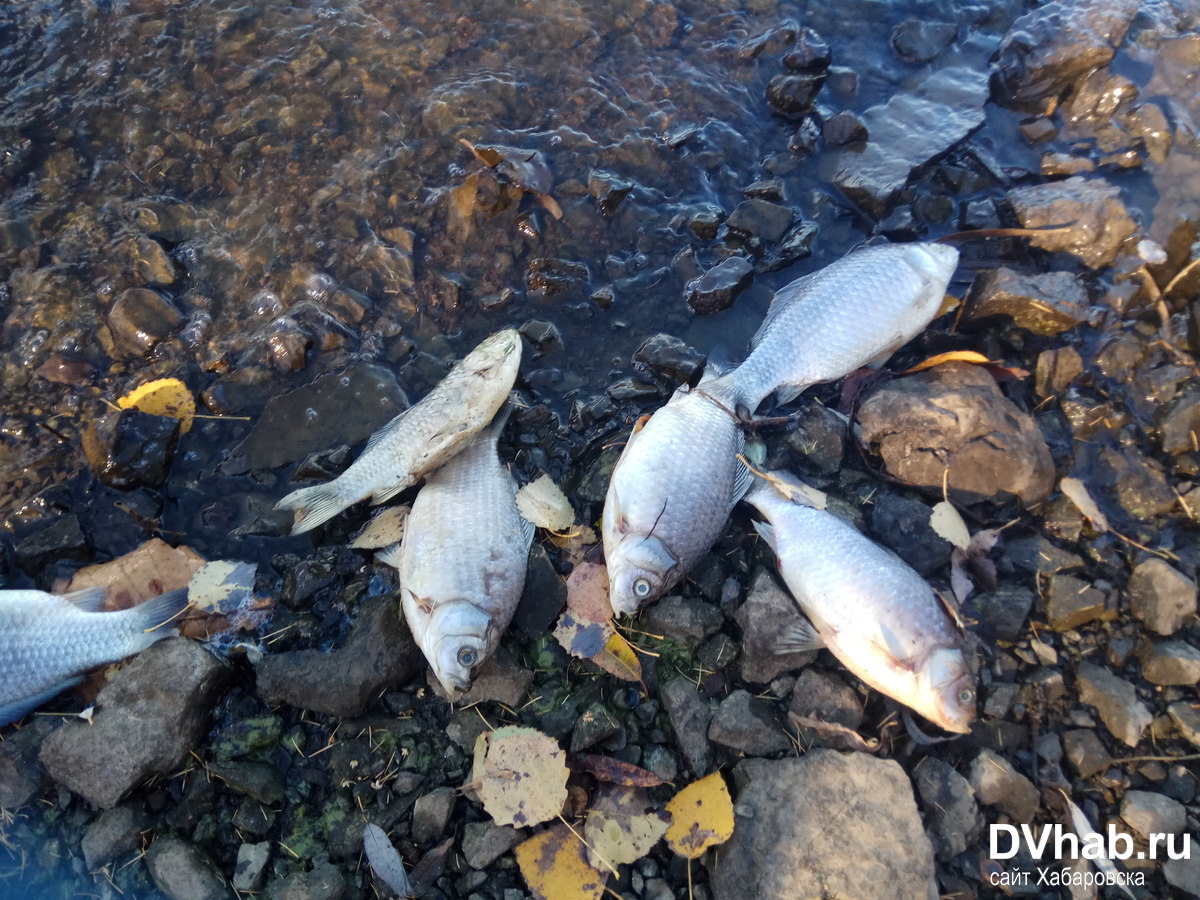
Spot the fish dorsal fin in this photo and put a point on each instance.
(386, 431)
(87, 599)
(799, 637)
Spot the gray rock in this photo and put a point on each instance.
(951, 425)
(250, 872)
(902, 523)
(1183, 874)
(668, 356)
(690, 715)
(140, 318)
(1115, 700)
(115, 832)
(543, 336)
(1187, 719)
(324, 882)
(950, 806)
(1099, 221)
(997, 783)
(21, 776)
(1149, 813)
(596, 724)
(762, 219)
(717, 288)
(1180, 422)
(908, 131)
(378, 653)
(1044, 303)
(501, 679)
(1037, 554)
(1161, 597)
(809, 828)
(431, 814)
(749, 725)
(1170, 662)
(1001, 612)
(819, 441)
(686, 621)
(1137, 483)
(921, 40)
(826, 698)
(484, 842)
(660, 761)
(183, 872)
(1056, 369)
(258, 780)
(147, 718)
(1085, 751)
(765, 616)
(1071, 602)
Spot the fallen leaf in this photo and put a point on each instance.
(949, 302)
(621, 826)
(1077, 493)
(385, 529)
(587, 592)
(948, 523)
(525, 168)
(599, 643)
(969, 356)
(520, 775)
(618, 658)
(150, 569)
(542, 503)
(222, 587)
(555, 868)
(576, 544)
(385, 859)
(612, 771)
(701, 817)
(168, 397)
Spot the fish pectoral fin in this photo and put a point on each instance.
(88, 599)
(10, 712)
(893, 650)
(799, 637)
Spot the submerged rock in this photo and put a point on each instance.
(140, 318)
(952, 426)
(811, 828)
(668, 356)
(1089, 218)
(717, 288)
(762, 219)
(1045, 304)
(129, 448)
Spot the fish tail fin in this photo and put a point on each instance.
(157, 619)
(313, 505)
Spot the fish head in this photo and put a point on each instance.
(497, 356)
(458, 638)
(950, 690)
(640, 569)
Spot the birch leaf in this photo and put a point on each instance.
(521, 775)
(621, 826)
(542, 503)
(168, 397)
(949, 524)
(701, 817)
(555, 868)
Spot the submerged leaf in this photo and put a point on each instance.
(555, 868)
(542, 503)
(385, 859)
(701, 817)
(520, 774)
(621, 826)
(168, 397)
(150, 569)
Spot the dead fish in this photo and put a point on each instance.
(422, 437)
(671, 493)
(462, 561)
(874, 613)
(854, 312)
(48, 640)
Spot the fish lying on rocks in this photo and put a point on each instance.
(462, 561)
(875, 614)
(48, 640)
(422, 437)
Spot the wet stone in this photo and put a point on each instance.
(762, 219)
(61, 539)
(920, 40)
(250, 871)
(1179, 431)
(668, 356)
(997, 783)
(1045, 304)
(902, 523)
(1115, 700)
(1099, 222)
(767, 613)
(806, 138)
(810, 827)
(689, 715)
(819, 439)
(950, 806)
(1056, 369)
(324, 882)
(749, 725)
(484, 842)
(1137, 482)
(705, 223)
(686, 621)
(843, 128)
(129, 448)
(542, 335)
(717, 288)
(116, 832)
(183, 872)
(1170, 663)
(1001, 612)
(20, 774)
(1161, 597)
(1086, 752)
(951, 425)
(808, 52)
(140, 318)
(1149, 813)
(607, 190)
(792, 93)
(1070, 602)
(631, 389)
(431, 814)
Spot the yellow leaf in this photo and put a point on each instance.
(701, 817)
(949, 302)
(949, 525)
(600, 643)
(545, 505)
(555, 868)
(618, 658)
(969, 356)
(165, 397)
(621, 827)
(521, 775)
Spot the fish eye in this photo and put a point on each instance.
(467, 657)
(642, 588)
(966, 695)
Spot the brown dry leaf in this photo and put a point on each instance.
(385, 529)
(612, 771)
(462, 207)
(701, 817)
(621, 826)
(168, 397)
(1077, 493)
(555, 868)
(545, 505)
(525, 168)
(151, 569)
(969, 356)
(587, 592)
(949, 525)
(520, 775)
(600, 643)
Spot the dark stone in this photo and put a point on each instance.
(378, 653)
(140, 318)
(1161, 597)
(61, 539)
(1115, 700)
(1001, 612)
(62, 367)
(806, 138)
(1096, 221)
(1035, 553)
(1042, 303)
(902, 523)
(147, 718)
(765, 616)
(21, 776)
(717, 288)
(547, 277)
(808, 53)
(843, 128)
(762, 219)
(819, 439)
(950, 806)
(796, 244)
(258, 780)
(542, 335)
(1056, 370)
(920, 40)
(596, 724)
(1186, 717)
(826, 698)
(1070, 602)
(997, 783)
(705, 223)
(748, 725)
(1137, 482)
(500, 678)
(115, 832)
(908, 131)
(543, 598)
(1085, 751)
(1179, 430)
(792, 93)
(484, 842)
(1170, 663)
(183, 872)
(765, 189)
(324, 882)
(690, 716)
(686, 621)
(668, 356)
(951, 426)
(129, 448)
(607, 190)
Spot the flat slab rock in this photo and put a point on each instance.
(952, 422)
(1098, 221)
(825, 825)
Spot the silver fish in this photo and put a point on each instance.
(462, 561)
(48, 640)
(854, 312)
(422, 437)
(671, 493)
(874, 613)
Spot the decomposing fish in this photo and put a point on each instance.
(422, 437)
(48, 640)
(671, 493)
(854, 312)
(462, 561)
(874, 613)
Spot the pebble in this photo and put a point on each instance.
(950, 806)
(748, 725)
(809, 51)
(1138, 483)
(431, 815)
(767, 613)
(250, 871)
(997, 783)
(1071, 602)
(668, 356)
(260, 781)
(1187, 719)
(21, 777)
(1001, 612)
(115, 832)
(1161, 597)
(1086, 752)
(717, 288)
(1046, 303)
(62, 539)
(690, 716)
(902, 523)
(1183, 874)
(485, 842)
(760, 218)
(594, 725)
(607, 190)
(183, 872)
(502, 679)
(684, 620)
(141, 318)
(844, 128)
(1150, 813)
(1100, 224)
(825, 697)
(1056, 369)
(819, 439)
(792, 93)
(1170, 663)
(324, 882)
(1115, 700)
(543, 598)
